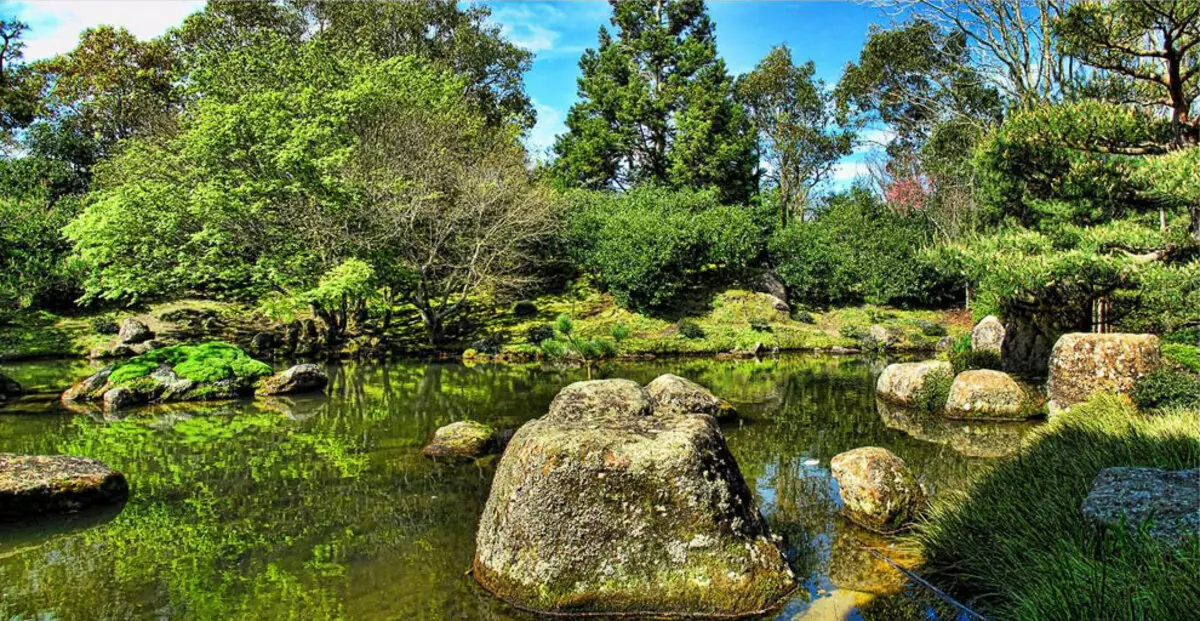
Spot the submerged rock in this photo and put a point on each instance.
(985, 394)
(673, 392)
(910, 383)
(463, 440)
(31, 485)
(988, 335)
(133, 331)
(878, 491)
(203, 372)
(299, 378)
(1170, 500)
(1082, 364)
(609, 505)
(9, 388)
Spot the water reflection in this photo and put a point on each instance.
(321, 507)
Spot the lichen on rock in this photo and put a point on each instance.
(1082, 364)
(910, 383)
(984, 394)
(877, 489)
(298, 378)
(683, 395)
(32, 485)
(462, 441)
(988, 335)
(1166, 503)
(607, 504)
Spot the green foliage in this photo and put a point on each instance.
(201, 362)
(619, 332)
(538, 333)
(650, 246)
(857, 250)
(656, 106)
(567, 344)
(852, 331)
(804, 316)
(1167, 387)
(1040, 560)
(1185, 355)
(931, 396)
(929, 328)
(970, 360)
(690, 329)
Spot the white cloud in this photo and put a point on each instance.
(846, 172)
(550, 123)
(54, 25)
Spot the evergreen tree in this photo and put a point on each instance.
(656, 106)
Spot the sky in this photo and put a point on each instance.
(828, 33)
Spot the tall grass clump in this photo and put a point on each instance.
(1016, 546)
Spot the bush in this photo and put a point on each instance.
(690, 329)
(1167, 387)
(619, 332)
(538, 333)
(650, 246)
(857, 250)
(1038, 559)
(970, 360)
(804, 316)
(524, 308)
(104, 325)
(758, 324)
(931, 397)
(553, 348)
(1186, 356)
(929, 328)
(852, 331)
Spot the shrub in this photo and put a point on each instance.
(970, 360)
(1167, 387)
(690, 329)
(758, 324)
(553, 348)
(852, 331)
(929, 328)
(619, 332)
(203, 362)
(1186, 356)
(489, 344)
(804, 316)
(524, 308)
(931, 397)
(538, 333)
(104, 325)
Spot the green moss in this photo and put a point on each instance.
(201, 362)
(1186, 356)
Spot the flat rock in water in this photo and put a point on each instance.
(671, 391)
(1082, 364)
(606, 505)
(463, 440)
(32, 485)
(1170, 499)
(299, 378)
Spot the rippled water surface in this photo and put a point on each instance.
(322, 506)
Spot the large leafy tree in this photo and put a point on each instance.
(799, 137)
(1152, 46)
(656, 106)
(19, 86)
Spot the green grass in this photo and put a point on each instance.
(1015, 546)
(203, 362)
(1186, 356)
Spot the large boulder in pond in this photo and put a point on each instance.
(911, 384)
(9, 388)
(988, 335)
(32, 485)
(1129, 497)
(299, 378)
(877, 489)
(609, 505)
(1082, 364)
(133, 331)
(984, 394)
(194, 372)
(462, 441)
(673, 392)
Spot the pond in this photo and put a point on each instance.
(322, 507)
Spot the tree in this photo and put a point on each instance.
(19, 86)
(656, 106)
(798, 135)
(1153, 45)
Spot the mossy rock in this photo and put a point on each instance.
(462, 441)
(32, 485)
(189, 372)
(673, 392)
(878, 490)
(608, 505)
(985, 394)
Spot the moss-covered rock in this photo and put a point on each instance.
(685, 396)
(1082, 364)
(878, 491)
(32, 485)
(609, 505)
(914, 384)
(298, 378)
(984, 394)
(133, 331)
(988, 335)
(192, 372)
(462, 441)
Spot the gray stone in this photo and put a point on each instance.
(133, 331)
(119, 398)
(299, 378)
(1169, 499)
(879, 337)
(1083, 364)
(907, 383)
(685, 396)
(877, 489)
(985, 394)
(988, 335)
(778, 304)
(32, 485)
(770, 283)
(606, 505)
(944, 344)
(1026, 348)
(461, 441)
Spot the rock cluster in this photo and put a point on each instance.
(609, 504)
(992, 395)
(1083, 363)
(32, 485)
(877, 489)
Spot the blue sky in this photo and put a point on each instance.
(829, 33)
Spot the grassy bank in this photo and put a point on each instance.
(1015, 545)
(729, 320)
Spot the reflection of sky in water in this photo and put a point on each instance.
(321, 507)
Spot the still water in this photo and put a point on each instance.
(321, 507)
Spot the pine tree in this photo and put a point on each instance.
(656, 106)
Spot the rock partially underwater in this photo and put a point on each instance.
(984, 394)
(878, 491)
(32, 485)
(462, 441)
(297, 379)
(609, 504)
